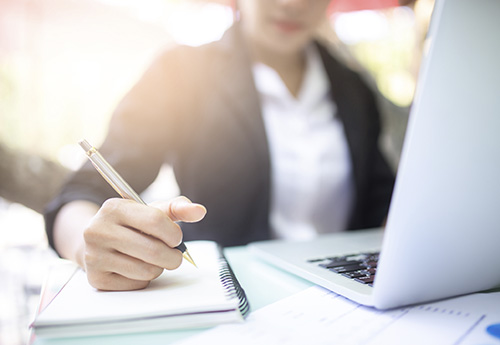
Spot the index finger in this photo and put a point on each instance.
(143, 218)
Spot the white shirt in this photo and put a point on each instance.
(311, 174)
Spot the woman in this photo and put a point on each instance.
(264, 128)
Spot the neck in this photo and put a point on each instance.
(290, 66)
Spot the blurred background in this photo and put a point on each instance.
(65, 64)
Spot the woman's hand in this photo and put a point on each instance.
(127, 244)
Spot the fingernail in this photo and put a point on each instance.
(202, 211)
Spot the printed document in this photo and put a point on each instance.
(319, 316)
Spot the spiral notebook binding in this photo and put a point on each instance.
(232, 286)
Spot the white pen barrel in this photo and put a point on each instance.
(119, 185)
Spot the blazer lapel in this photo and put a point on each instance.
(237, 86)
(351, 113)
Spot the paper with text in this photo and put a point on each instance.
(319, 316)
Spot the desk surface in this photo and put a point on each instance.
(263, 285)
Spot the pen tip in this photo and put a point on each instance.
(85, 145)
(189, 258)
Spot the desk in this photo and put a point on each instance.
(263, 285)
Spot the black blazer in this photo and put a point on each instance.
(197, 109)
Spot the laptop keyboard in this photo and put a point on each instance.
(359, 267)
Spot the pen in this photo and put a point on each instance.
(119, 184)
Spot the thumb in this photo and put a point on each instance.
(181, 209)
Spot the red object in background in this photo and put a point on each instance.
(358, 5)
(344, 5)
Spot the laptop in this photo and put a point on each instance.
(442, 236)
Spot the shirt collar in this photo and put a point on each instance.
(314, 86)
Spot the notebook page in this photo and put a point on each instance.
(185, 290)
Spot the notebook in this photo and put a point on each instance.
(443, 229)
(187, 297)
